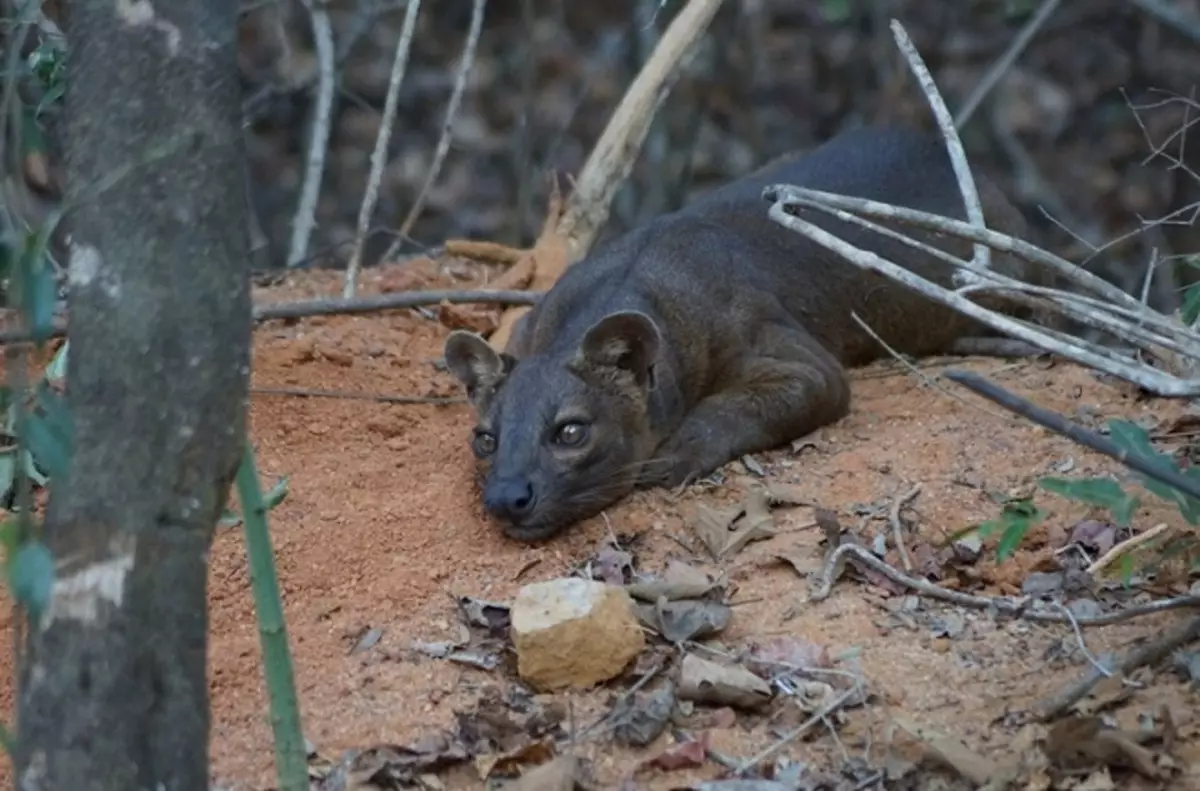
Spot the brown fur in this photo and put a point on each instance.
(708, 333)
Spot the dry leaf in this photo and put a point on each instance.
(802, 565)
(640, 719)
(559, 774)
(1106, 694)
(682, 755)
(691, 619)
(612, 565)
(1085, 743)
(726, 685)
(786, 653)
(678, 581)
(786, 494)
(509, 763)
(951, 752)
(712, 528)
(757, 523)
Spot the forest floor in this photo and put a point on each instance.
(382, 527)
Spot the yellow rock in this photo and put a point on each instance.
(572, 632)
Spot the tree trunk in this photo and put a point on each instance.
(113, 688)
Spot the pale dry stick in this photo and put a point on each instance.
(379, 155)
(318, 144)
(1125, 331)
(1006, 61)
(612, 158)
(1049, 708)
(1070, 616)
(1003, 605)
(1066, 301)
(1059, 343)
(1081, 308)
(915, 371)
(382, 398)
(443, 146)
(898, 526)
(567, 236)
(802, 196)
(791, 736)
(1125, 547)
(335, 307)
(954, 146)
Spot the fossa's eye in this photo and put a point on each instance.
(484, 443)
(571, 434)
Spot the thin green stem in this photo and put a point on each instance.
(290, 758)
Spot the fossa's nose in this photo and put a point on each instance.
(509, 498)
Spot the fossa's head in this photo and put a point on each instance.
(562, 435)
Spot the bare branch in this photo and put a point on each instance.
(954, 147)
(443, 146)
(336, 307)
(1003, 605)
(379, 155)
(1060, 343)
(933, 222)
(1153, 651)
(613, 156)
(310, 192)
(1072, 431)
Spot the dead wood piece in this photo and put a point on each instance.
(568, 237)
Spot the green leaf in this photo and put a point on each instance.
(57, 369)
(1099, 492)
(39, 291)
(1190, 311)
(229, 518)
(31, 469)
(31, 576)
(1135, 441)
(1014, 522)
(50, 432)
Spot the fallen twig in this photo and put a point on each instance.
(1017, 608)
(568, 234)
(1078, 434)
(1125, 547)
(898, 524)
(913, 369)
(304, 392)
(791, 736)
(1088, 354)
(1147, 654)
(379, 155)
(306, 209)
(443, 145)
(334, 306)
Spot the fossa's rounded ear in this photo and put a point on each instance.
(628, 340)
(473, 361)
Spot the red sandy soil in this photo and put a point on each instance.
(383, 524)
